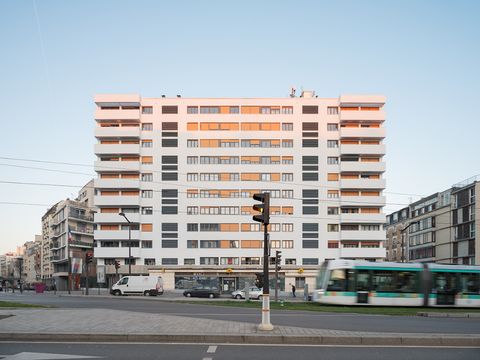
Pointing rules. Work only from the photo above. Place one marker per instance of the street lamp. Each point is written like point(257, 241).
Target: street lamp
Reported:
point(129, 243)
point(403, 238)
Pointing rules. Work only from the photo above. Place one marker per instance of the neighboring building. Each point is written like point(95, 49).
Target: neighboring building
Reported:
point(466, 222)
point(184, 171)
point(68, 234)
point(31, 260)
point(441, 227)
point(397, 244)
point(429, 236)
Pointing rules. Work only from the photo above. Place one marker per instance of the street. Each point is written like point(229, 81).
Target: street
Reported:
point(306, 319)
point(22, 350)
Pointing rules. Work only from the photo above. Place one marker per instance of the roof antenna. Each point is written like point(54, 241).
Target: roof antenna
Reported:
point(292, 91)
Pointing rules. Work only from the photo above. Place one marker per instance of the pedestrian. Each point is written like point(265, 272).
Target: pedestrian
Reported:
point(293, 290)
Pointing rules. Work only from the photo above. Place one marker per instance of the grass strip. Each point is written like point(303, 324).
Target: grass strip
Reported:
point(12, 304)
point(309, 306)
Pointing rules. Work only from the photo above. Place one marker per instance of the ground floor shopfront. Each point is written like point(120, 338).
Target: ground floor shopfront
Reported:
point(230, 279)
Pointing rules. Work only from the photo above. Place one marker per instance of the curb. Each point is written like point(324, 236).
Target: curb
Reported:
point(449, 315)
point(407, 340)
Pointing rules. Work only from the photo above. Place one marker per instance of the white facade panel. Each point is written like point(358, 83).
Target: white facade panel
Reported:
point(116, 201)
point(362, 149)
point(101, 114)
point(117, 132)
point(117, 183)
point(358, 166)
point(347, 132)
point(362, 253)
point(117, 166)
point(103, 149)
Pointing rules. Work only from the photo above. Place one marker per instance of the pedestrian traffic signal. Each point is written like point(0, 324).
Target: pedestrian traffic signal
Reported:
point(278, 260)
point(263, 208)
point(117, 264)
point(89, 257)
point(259, 280)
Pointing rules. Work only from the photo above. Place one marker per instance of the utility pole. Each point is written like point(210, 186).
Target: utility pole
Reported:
point(129, 243)
point(264, 218)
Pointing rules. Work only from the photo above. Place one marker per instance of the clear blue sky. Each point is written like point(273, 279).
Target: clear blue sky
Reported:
point(423, 55)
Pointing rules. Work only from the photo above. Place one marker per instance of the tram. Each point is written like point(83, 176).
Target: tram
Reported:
point(355, 282)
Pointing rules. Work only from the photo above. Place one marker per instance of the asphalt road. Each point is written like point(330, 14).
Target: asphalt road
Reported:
point(121, 351)
point(308, 319)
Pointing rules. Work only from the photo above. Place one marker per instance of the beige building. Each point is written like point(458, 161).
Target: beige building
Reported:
point(31, 260)
point(397, 244)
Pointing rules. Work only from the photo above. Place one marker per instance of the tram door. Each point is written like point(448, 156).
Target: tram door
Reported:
point(363, 286)
point(445, 286)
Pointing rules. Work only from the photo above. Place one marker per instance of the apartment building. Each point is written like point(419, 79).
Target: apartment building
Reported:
point(396, 244)
point(183, 171)
point(67, 236)
point(440, 228)
point(31, 260)
point(466, 222)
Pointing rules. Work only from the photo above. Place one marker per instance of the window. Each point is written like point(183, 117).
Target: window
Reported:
point(192, 227)
point(147, 126)
point(287, 126)
point(332, 194)
point(310, 160)
point(290, 261)
point(147, 110)
point(189, 261)
point(332, 244)
point(192, 210)
point(192, 109)
point(332, 143)
point(287, 227)
point(147, 210)
point(310, 176)
point(147, 244)
point(192, 143)
point(170, 244)
point(192, 159)
point(332, 176)
point(169, 109)
point(310, 261)
point(287, 177)
point(332, 160)
point(308, 143)
point(332, 127)
point(192, 177)
point(147, 159)
point(332, 110)
point(287, 110)
point(332, 210)
point(287, 244)
point(147, 177)
point(309, 109)
point(209, 110)
point(287, 194)
point(287, 143)
point(192, 244)
point(310, 244)
point(234, 110)
point(147, 143)
point(149, 261)
point(147, 194)
point(169, 261)
point(209, 261)
point(332, 227)
point(169, 142)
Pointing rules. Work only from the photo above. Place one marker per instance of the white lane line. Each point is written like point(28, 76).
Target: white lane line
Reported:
point(207, 359)
point(211, 349)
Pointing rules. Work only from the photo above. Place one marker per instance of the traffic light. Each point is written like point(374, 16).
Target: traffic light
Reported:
point(117, 264)
point(89, 257)
point(278, 260)
point(259, 280)
point(263, 208)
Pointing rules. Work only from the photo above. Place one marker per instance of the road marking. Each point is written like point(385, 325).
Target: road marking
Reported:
point(44, 356)
point(212, 349)
point(207, 359)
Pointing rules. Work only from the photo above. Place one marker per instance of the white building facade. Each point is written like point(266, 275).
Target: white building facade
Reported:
point(183, 171)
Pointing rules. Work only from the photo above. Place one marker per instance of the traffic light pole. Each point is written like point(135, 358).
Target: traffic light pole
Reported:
point(276, 280)
point(86, 273)
point(265, 325)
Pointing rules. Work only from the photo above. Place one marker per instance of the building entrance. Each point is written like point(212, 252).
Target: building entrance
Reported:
point(228, 285)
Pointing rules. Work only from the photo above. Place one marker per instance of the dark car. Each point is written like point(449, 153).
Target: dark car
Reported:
point(202, 292)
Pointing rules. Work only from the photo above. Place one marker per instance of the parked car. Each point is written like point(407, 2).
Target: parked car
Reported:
point(202, 292)
point(253, 293)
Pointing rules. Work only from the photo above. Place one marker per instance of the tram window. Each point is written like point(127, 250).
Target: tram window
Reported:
point(469, 283)
point(363, 279)
point(337, 281)
point(406, 281)
point(383, 281)
point(445, 282)
point(350, 280)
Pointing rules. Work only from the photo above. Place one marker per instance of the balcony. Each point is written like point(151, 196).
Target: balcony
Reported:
point(117, 99)
point(131, 114)
point(116, 252)
point(362, 183)
point(362, 218)
point(115, 235)
point(117, 184)
point(362, 149)
point(362, 201)
point(111, 218)
point(108, 149)
point(362, 166)
point(81, 244)
point(117, 166)
point(80, 230)
point(74, 215)
point(118, 132)
point(116, 201)
point(352, 253)
point(362, 235)
point(346, 132)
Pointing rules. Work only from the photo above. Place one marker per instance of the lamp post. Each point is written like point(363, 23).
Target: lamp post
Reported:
point(129, 243)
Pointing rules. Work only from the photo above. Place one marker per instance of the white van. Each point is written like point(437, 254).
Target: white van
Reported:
point(138, 285)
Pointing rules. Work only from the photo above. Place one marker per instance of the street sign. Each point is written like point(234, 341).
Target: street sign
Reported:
point(101, 274)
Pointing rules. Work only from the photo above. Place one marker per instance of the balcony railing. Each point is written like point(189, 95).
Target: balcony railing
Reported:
point(80, 216)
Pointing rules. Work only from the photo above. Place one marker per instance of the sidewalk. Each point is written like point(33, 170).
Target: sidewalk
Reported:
point(97, 325)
